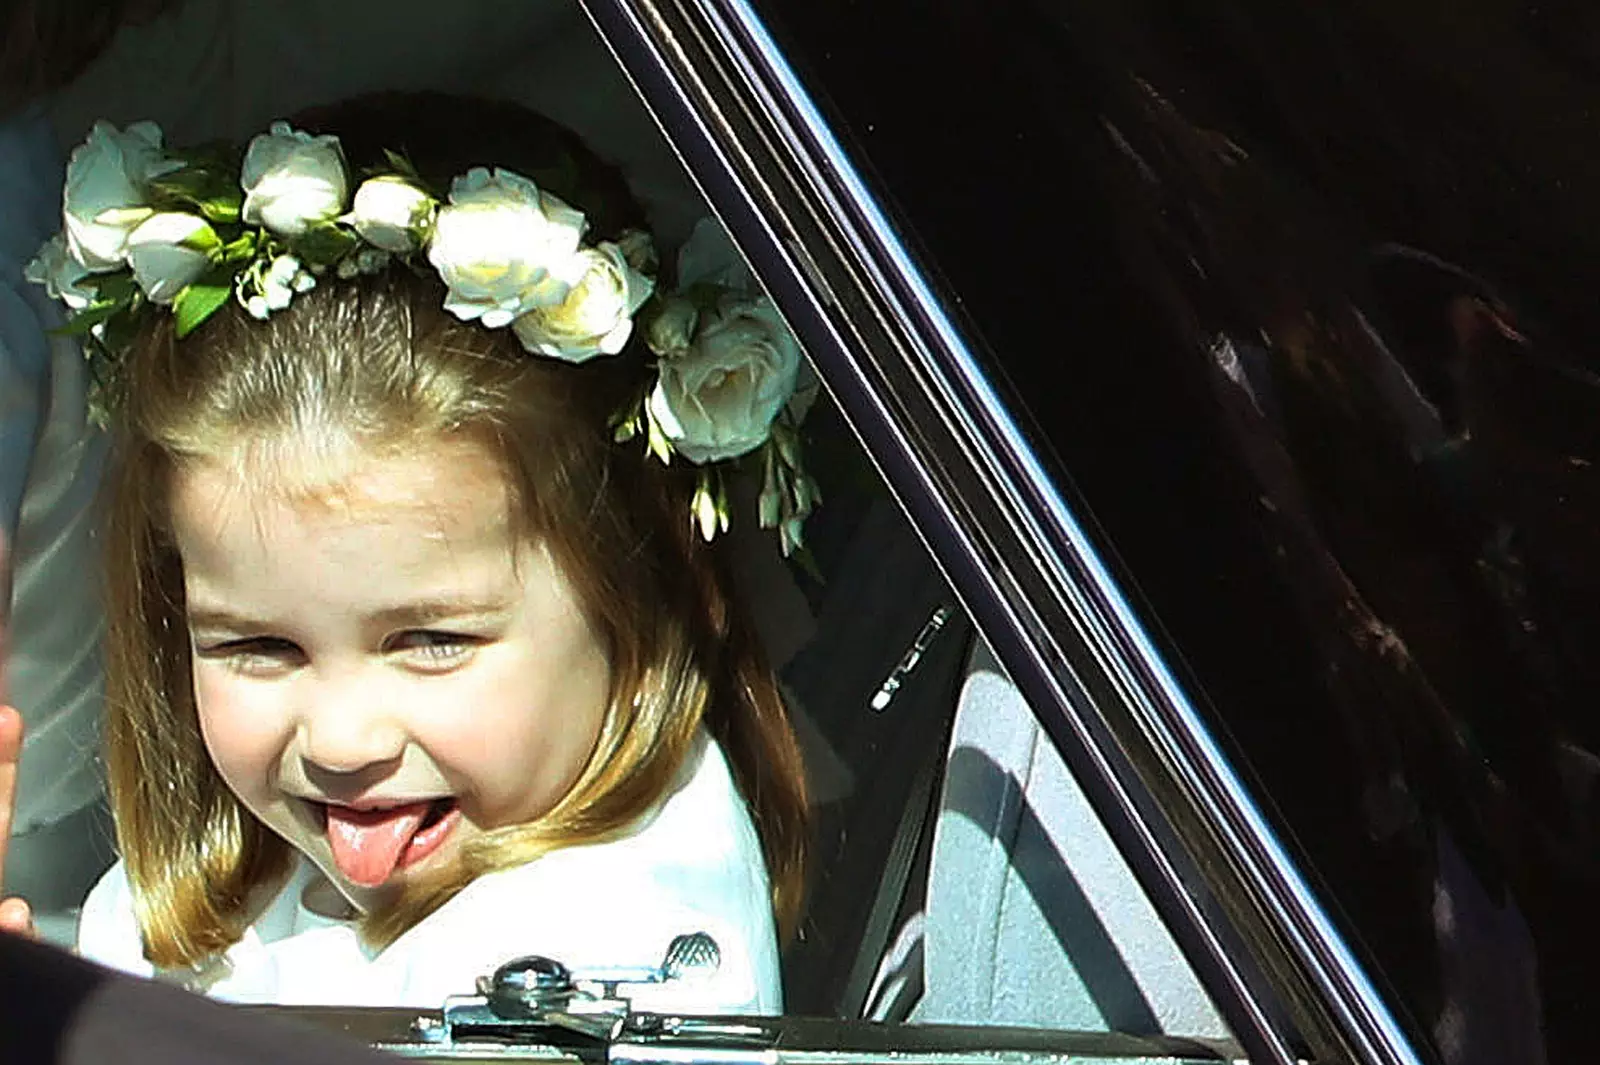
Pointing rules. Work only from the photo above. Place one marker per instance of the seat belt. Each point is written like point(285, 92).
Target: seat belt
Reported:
point(911, 842)
point(889, 900)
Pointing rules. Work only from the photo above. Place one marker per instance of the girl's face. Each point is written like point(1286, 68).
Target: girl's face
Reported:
point(382, 671)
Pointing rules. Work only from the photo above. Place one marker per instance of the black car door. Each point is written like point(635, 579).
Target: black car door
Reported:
point(1233, 364)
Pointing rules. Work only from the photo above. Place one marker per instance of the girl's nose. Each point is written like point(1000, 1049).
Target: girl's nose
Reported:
point(348, 727)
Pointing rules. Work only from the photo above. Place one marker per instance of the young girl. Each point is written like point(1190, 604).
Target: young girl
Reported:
point(413, 667)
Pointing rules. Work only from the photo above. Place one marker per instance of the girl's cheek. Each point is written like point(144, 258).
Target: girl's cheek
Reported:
point(243, 724)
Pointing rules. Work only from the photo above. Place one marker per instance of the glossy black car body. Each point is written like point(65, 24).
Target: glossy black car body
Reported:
point(1232, 360)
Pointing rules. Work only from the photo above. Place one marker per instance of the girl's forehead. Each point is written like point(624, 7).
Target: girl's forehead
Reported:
point(335, 476)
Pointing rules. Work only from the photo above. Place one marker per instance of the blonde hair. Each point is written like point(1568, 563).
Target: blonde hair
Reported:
point(379, 359)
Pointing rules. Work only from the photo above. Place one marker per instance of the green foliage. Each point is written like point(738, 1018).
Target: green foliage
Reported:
point(709, 508)
point(119, 287)
point(401, 166)
point(200, 301)
point(788, 493)
point(242, 249)
point(656, 441)
point(326, 244)
point(212, 193)
point(85, 320)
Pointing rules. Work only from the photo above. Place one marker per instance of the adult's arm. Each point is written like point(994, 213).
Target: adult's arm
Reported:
point(62, 1010)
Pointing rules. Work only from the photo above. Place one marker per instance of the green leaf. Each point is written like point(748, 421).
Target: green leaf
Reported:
point(217, 157)
point(117, 287)
point(213, 193)
point(219, 209)
point(85, 320)
point(787, 442)
point(703, 507)
point(119, 334)
point(186, 186)
point(403, 166)
point(656, 441)
point(242, 249)
point(399, 165)
point(807, 494)
point(198, 302)
point(326, 244)
point(724, 510)
point(801, 556)
point(628, 422)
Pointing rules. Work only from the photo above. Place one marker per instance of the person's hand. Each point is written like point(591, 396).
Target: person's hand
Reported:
point(15, 916)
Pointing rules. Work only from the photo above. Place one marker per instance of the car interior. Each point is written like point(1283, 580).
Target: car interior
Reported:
point(960, 874)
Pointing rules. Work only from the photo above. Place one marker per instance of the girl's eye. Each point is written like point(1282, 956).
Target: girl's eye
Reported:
point(433, 650)
point(257, 655)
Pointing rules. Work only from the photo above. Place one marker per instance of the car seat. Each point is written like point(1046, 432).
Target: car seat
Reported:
point(1032, 915)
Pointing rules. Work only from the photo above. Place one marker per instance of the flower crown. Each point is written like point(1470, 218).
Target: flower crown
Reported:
point(150, 228)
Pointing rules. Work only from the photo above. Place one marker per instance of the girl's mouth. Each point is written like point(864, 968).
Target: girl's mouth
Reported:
point(369, 845)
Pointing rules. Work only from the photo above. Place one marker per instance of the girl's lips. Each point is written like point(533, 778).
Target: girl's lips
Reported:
point(371, 806)
point(432, 834)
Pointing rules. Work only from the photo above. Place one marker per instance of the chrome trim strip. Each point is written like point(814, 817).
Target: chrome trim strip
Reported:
point(998, 452)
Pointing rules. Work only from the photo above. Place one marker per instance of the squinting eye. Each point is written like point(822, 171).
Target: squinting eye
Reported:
point(258, 655)
point(433, 649)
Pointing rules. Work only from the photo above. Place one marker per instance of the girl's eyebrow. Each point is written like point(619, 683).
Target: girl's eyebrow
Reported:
point(400, 615)
point(422, 611)
point(220, 618)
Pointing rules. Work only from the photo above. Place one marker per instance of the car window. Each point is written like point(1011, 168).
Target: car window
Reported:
point(962, 874)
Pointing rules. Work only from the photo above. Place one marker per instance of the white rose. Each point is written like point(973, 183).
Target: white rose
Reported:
point(106, 191)
point(708, 257)
point(391, 213)
point(596, 317)
point(168, 251)
point(60, 274)
point(503, 247)
point(717, 400)
point(292, 180)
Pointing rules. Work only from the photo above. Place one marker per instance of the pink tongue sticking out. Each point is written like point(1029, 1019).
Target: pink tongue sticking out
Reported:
point(367, 844)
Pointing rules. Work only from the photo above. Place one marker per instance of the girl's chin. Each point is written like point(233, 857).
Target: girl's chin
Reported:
point(326, 898)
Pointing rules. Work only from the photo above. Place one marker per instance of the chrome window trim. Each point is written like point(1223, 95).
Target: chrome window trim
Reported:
point(655, 1039)
point(1008, 540)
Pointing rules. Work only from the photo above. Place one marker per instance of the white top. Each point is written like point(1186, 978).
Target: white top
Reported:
point(694, 864)
point(49, 475)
